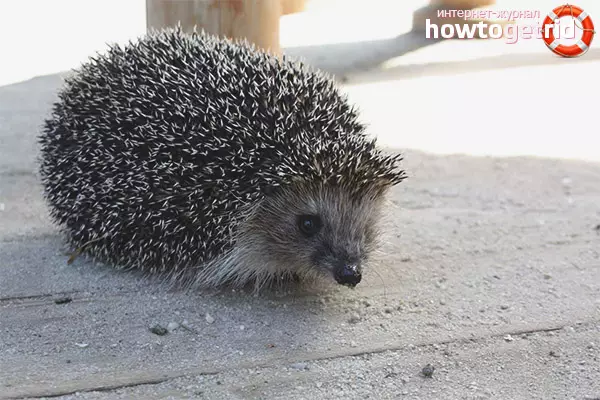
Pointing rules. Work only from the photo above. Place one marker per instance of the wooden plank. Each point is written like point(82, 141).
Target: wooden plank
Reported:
point(530, 366)
point(422, 302)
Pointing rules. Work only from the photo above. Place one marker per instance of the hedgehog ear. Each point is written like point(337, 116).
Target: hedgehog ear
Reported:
point(270, 190)
point(381, 185)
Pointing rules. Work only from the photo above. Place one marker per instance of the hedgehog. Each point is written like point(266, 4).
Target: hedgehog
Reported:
point(211, 162)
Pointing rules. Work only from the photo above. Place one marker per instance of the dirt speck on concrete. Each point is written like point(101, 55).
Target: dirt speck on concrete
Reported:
point(63, 300)
point(428, 370)
point(158, 330)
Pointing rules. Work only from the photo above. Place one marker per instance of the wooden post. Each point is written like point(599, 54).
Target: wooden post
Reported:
point(292, 6)
point(255, 20)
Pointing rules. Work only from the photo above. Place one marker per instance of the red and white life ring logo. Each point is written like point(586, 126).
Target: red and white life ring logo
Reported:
point(582, 20)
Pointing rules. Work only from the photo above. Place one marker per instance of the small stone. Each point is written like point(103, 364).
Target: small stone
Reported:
point(242, 327)
point(504, 307)
point(390, 374)
point(300, 366)
point(427, 370)
point(209, 318)
point(354, 319)
point(82, 345)
point(569, 329)
point(186, 325)
point(2, 206)
point(171, 326)
point(509, 338)
point(159, 330)
point(547, 276)
point(319, 384)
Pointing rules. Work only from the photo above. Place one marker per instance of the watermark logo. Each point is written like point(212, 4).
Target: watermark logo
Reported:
point(567, 30)
point(579, 18)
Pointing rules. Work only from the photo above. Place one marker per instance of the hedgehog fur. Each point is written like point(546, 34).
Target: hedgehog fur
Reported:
point(210, 162)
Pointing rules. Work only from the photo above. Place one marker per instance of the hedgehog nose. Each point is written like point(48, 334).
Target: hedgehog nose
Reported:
point(348, 274)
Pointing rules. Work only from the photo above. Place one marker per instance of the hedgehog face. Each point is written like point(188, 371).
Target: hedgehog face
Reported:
point(316, 230)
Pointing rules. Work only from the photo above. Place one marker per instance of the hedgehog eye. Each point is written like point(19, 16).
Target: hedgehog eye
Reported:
point(309, 225)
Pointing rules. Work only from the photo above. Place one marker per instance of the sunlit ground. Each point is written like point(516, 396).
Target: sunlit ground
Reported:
point(475, 97)
point(549, 111)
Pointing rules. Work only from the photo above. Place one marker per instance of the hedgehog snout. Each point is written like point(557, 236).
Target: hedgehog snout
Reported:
point(348, 274)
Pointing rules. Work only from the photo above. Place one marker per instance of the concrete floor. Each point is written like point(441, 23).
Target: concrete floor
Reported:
point(490, 271)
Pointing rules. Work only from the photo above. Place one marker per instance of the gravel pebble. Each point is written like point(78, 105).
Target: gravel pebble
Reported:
point(427, 370)
point(172, 326)
point(299, 366)
point(158, 330)
point(209, 318)
point(354, 319)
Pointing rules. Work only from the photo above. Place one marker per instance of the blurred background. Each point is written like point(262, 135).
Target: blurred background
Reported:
point(480, 97)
